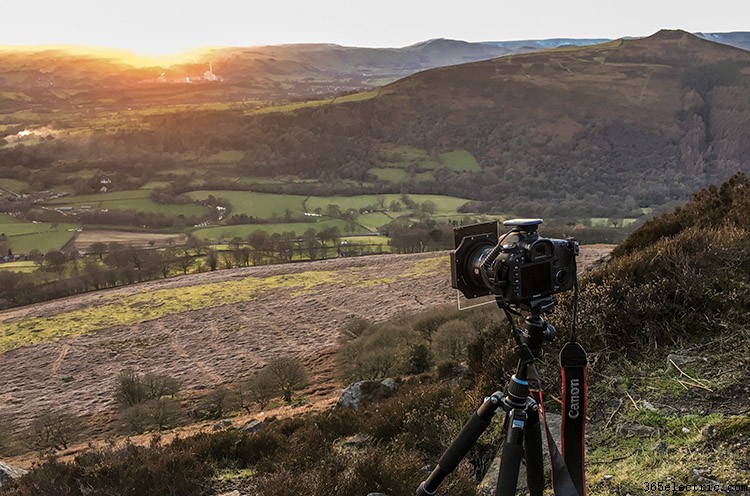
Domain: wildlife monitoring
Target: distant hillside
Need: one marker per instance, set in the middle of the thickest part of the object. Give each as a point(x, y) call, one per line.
point(60, 78)
point(522, 46)
point(620, 126)
point(614, 129)
point(739, 39)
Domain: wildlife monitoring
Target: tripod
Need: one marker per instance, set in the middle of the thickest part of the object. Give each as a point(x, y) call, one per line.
point(523, 436)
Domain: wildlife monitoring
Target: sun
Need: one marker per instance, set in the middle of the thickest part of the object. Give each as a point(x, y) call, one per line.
point(147, 56)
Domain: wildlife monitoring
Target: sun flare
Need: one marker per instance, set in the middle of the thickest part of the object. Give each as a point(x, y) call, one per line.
point(147, 57)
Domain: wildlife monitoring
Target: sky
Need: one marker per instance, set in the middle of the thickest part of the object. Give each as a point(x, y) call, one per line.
point(161, 27)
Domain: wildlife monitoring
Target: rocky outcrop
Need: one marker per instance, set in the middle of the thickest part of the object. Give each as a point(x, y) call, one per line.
point(8, 474)
point(363, 391)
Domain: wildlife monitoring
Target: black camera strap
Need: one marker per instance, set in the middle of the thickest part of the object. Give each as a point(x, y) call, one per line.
point(574, 389)
point(573, 367)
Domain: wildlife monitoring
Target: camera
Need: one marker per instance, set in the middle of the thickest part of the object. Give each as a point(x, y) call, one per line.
point(519, 266)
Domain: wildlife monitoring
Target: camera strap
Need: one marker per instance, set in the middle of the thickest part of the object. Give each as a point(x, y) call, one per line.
point(573, 364)
point(562, 484)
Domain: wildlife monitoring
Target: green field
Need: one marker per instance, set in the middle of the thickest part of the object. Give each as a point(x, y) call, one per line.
point(130, 200)
point(14, 185)
point(421, 163)
point(367, 240)
point(444, 205)
point(8, 219)
point(374, 220)
point(225, 157)
point(355, 97)
point(25, 267)
point(260, 205)
point(242, 231)
point(26, 236)
point(459, 161)
point(389, 174)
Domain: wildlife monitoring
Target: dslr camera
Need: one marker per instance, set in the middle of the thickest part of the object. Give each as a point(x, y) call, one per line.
point(519, 266)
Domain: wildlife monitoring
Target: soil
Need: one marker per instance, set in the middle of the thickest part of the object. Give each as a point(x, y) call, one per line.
point(215, 346)
point(140, 240)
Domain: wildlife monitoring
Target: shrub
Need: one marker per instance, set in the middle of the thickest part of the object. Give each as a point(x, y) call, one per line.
point(290, 375)
point(451, 340)
point(155, 471)
point(52, 430)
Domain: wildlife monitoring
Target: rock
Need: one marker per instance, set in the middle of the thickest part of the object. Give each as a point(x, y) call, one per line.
point(253, 426)
point(388, 383)
point(8, 474)
point(223, 424)
point(685, 430)
point(358, 441)
point(661, 448)
point(680, 360)
point(608, 477)
point(709, 432)
point(635, 430)
point(648, 406)
point(698, 477)
point(359, 392)
point(351, 397)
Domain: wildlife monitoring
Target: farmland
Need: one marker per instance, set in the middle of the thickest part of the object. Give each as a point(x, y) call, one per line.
point(24, 237)
point(137, 200)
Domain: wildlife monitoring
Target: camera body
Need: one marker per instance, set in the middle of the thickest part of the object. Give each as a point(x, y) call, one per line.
point(520, 266)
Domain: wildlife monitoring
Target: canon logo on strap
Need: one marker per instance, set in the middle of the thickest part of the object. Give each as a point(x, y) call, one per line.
point(575, 399)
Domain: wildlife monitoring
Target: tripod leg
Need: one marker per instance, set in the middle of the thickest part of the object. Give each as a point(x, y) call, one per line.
point(533, 450)
point(510, 462)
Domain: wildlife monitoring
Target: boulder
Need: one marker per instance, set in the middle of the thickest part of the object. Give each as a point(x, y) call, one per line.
point(360, 392)
point(8, 474)
point(635, 430)
point(253, 426)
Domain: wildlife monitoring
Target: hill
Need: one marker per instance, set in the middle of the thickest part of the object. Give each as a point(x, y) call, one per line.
point(611, 129)
point(644, 120)
point(664, 325)
point(70, 77)
point(206, 330)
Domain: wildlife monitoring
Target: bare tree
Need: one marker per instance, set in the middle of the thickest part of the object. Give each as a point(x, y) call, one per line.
point(260, 389)
point(290, 375)
point(52, 431)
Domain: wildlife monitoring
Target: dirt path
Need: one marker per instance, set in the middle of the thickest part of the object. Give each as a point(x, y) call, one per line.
point(219, 345)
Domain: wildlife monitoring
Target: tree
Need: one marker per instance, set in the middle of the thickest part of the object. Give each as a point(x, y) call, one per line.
point(163, 412)
point(260, 241)
point(52, 431)
point(212, 259)
point(260, 389)
point(185, 262)
point(133, 389)
point(56, 261)
point(216, 405)
point(310, 240)
point(130, 390)
point(290, 375)
point(452, 339)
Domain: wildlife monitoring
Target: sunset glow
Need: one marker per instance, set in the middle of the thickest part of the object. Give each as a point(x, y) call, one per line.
point(144, 58)
point(162, 31)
